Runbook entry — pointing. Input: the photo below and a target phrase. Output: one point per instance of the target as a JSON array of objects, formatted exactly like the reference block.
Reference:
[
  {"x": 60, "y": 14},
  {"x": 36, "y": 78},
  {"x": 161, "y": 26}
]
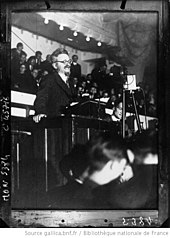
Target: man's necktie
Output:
[{"x": 67, "y": 82}]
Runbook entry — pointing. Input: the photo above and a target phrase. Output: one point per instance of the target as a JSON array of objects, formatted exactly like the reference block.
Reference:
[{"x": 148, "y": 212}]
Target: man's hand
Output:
[
  {"x": 127, "y": 174},
  {"x": 37, "y": 118}
]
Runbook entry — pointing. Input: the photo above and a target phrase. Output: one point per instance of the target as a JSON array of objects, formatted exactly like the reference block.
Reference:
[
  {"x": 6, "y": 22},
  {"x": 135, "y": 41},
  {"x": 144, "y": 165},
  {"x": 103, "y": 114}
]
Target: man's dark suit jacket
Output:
[
  {"x": 75, "y": 71},
  {"x": 54, "y": 96}
]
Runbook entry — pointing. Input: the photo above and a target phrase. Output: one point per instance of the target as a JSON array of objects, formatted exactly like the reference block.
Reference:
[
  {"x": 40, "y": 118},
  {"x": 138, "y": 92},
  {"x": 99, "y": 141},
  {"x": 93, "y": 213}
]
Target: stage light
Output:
[
  {"x": 61, "y": 27},
  {"x": 46, "y": 21},
  {"x": 99, "y": 43},
  {"x": 75, "y": 33},
  {"x": 88, "y": 38}
]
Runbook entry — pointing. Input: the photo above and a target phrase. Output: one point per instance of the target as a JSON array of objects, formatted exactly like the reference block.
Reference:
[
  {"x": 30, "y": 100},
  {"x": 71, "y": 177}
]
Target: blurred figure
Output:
[
  {"x": 75, "y": 70},
  {"x": 144, "y": 147},
  {"x": 139, "y": 192},
  {"x": 108, "y": 167},
  {"x": 107, "y": 158},
  {"x": 87, "y": 168},
  {"x": 72, "y": 195},
  {"x": 151, "y": 104}
]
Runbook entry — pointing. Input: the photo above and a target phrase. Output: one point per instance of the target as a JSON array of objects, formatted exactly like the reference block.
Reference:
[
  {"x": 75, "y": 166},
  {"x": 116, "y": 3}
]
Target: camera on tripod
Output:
[{"x": 130, "y": 83}]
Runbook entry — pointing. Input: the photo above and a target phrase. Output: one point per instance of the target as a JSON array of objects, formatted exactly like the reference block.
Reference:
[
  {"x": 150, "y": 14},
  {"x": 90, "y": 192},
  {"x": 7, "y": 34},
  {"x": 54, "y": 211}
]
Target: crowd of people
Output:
[
  {"x": 109, "y": 172},
  {"x": 29, "y": 75}
]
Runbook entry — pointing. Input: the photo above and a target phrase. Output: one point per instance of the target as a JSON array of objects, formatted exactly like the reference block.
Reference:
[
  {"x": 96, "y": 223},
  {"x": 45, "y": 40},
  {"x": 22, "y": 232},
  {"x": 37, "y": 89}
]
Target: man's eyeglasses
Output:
[{"x": 65, "y": 61}]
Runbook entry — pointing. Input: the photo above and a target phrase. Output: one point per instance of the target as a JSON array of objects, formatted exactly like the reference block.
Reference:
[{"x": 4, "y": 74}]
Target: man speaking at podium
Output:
[{"x": 57, "y": 91}]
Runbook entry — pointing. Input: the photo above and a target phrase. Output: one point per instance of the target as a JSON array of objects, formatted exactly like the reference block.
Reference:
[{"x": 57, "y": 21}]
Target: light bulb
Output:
[
  {"x": 46, "y": 21},
  {"x": 61, "y": 27},
  {"x": 75, "y": 33},
  {"x": 99, "y": 43},
  {"x": 87, "y": 38}
]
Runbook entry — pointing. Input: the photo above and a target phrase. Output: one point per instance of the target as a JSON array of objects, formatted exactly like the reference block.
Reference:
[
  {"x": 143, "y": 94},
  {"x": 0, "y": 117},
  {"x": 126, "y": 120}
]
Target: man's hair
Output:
[
  {"x": 19, "y": 44},
  {"x": 144, "y": 143},
  {"x": 31, "y": 58},
  {"x": 75, "y": 56},
  {"x": 76, "y": 161},
  {"x": 59, "y": 51},
  {"x": 23, "y": 53},
  {"x": 117, "y": 101},
  {"x": 103, "y": 148},
  {"x": 38, "y": 52}
]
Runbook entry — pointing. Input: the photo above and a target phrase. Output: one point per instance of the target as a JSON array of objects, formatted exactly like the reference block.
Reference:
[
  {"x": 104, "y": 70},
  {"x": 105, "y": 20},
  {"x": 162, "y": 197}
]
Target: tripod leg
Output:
[
  {"x": 123, "y": 115},
  {"x": 136, "y": 113}
]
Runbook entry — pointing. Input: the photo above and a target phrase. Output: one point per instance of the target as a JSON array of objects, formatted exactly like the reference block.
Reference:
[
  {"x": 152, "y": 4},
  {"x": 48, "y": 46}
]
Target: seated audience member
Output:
[
  {"x": 32, "y": 81},
  {"x": 31, "y": 62},
  {"x": 16, "y": 52},
  {"x": 38, "y": 58},
  {"x": 111, "y": 101},
  {"x": 118, "y": 110},
  {"x": 93, "y": 92},
  {"x": 151, "y": 104},
  {"x": 18, "y": 81},
  {"x": 75, "y": 70},
  {"x": 80, "y": 91},
  {"x": 116, "y": 79},
  {"x": 18, "y": 57},
  {"x": 88, "y": 80},
  {"x": 139, "y": 192},
  {"x": 46, "y": 65},
  {"x": 23, "y": 58},
  {"x": 105, "y": 94},
  {"x": 75, "y": 82},
  {"x": 100, "y": 76}
]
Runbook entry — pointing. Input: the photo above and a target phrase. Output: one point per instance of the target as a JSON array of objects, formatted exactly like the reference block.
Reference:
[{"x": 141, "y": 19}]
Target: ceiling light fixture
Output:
[
  {"x": 99, "y": 43},
  {"x": 46, "y": 21},
  {"x": 75, "y": 33},
  {"x": 61, "y": 27},
  {"x": 88, "y": 38}
]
